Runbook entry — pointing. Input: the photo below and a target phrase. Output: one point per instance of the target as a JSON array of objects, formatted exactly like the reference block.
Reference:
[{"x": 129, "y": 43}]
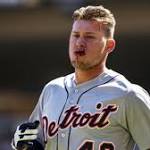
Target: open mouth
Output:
[{"x": 79, "y": 53}]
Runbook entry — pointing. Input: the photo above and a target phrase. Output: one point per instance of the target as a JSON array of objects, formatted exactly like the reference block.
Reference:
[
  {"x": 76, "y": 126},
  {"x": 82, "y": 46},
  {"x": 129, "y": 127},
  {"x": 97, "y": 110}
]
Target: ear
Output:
[{"x": 111, "y": 43}]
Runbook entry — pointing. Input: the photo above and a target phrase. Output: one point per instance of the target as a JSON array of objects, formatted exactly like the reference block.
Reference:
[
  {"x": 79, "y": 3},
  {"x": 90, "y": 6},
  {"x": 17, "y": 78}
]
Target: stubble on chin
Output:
[
  {"x": 78, "y": 65},
  {"x": 83, "y": 66}
]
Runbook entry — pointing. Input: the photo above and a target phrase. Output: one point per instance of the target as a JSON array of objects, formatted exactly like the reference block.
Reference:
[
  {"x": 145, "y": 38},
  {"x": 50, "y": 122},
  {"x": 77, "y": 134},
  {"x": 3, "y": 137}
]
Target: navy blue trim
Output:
[{"x": 62, "y": 110}]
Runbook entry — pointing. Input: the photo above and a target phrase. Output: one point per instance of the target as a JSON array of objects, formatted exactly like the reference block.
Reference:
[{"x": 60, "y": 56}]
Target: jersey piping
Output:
[
  {"x": 68, "y": 148},
  {"x": 62, "y": 111}
]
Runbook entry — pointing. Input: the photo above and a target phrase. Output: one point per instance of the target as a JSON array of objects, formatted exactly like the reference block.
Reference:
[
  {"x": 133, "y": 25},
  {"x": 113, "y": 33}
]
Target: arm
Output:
[
  {"x": 28, "y": 135},
  {"x": 138, "y": 118}
]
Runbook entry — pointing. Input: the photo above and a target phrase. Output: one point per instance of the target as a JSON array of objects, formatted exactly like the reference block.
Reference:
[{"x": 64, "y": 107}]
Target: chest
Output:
[
  {"x": 80, "y": 108},
  {"x": 91, "y": 113}
]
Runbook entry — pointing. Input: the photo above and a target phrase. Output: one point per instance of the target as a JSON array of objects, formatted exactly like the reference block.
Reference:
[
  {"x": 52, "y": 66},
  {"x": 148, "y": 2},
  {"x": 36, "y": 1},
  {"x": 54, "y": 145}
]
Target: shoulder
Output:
[
  {"x": 57, "y": 82},
  {"x": 134, "y": 92},
  {"x": 138, "y": 95},
  {"x": 119, "y": 82},
  {"x": 54, "y": 87},
  {"x": 130, "y": 89}
]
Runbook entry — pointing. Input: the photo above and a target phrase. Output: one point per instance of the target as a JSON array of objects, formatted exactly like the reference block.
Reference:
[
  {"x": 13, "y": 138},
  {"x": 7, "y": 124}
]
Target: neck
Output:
[{"x": 82, "y": 76}]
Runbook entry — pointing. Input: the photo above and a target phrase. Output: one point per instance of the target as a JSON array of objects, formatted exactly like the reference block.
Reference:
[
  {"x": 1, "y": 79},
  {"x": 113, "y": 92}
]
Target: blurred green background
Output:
[{"x": 34, "y": 49}]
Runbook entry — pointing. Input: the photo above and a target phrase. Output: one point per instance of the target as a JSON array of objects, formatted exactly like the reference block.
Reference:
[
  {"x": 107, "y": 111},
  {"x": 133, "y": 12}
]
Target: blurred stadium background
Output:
[{"x": 34, "y": 49}]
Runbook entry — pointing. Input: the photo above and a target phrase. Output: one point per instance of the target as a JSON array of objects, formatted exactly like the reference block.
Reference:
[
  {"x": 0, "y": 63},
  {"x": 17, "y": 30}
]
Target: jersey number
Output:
[{"x": 89, "y": 145}]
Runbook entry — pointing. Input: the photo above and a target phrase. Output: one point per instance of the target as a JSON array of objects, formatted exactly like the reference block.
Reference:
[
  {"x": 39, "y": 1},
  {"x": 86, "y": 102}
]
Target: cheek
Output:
[
  {"x": 97, "y": 49},
  {"x": 71, "y": 47},
  {"x": 71, "y": 43},
  {"x": 102, "y": 46},
  {"x": 95, "y": 46}
]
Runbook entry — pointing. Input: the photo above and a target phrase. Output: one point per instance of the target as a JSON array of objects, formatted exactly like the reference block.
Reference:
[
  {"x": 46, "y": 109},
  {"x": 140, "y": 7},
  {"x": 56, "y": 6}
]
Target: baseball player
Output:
[{"x": 94, "y": 108}]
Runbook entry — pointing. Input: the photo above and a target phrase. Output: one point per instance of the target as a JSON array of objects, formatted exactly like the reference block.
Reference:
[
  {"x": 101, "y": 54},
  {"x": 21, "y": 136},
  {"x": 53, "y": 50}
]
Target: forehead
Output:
[{"x": 86, "y": 26}]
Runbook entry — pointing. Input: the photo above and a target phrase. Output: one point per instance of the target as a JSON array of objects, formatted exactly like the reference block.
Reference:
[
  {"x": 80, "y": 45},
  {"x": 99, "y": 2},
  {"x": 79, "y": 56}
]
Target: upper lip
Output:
[
  {"x": 80, "y": 52},
  {"x": 81, "y": 49}
]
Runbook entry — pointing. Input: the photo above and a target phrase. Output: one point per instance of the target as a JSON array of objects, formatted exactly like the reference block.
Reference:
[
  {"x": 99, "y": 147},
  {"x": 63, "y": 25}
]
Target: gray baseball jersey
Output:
[{"x": 105, "y": 113}]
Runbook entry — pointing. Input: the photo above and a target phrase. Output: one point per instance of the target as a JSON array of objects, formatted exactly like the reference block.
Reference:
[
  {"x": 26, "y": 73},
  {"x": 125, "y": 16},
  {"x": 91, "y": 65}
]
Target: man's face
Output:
[{"x": 87, "y": 45}]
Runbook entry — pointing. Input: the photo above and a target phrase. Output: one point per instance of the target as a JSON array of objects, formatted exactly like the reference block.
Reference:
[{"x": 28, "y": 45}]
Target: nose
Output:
[{"x": 80, "y": 42}]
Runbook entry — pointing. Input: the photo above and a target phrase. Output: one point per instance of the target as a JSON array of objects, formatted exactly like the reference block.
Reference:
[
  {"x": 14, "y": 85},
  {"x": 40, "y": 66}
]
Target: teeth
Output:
[{"x": 81, "y": 49}]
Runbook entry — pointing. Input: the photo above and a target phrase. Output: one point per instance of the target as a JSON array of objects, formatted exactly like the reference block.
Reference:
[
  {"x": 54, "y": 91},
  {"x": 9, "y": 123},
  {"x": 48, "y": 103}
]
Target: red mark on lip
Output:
[{"x": 79, "y": 53}]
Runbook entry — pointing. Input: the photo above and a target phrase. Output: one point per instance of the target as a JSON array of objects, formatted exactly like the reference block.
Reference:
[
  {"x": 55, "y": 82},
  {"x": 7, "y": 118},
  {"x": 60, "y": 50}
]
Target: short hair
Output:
[{"x": 98, "y": 13}]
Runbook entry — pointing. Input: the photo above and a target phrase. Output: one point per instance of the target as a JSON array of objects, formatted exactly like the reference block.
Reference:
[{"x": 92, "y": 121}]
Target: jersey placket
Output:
[
  {"x": 74, "y": 96},
  {"x": 63, "y": 135}
]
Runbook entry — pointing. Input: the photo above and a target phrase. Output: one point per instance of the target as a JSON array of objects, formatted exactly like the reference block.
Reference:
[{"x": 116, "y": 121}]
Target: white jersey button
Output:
[
  {"x": 71, "y": 101},
  {"x": 76, "y": 90},
  {"x": 62, "y": 135}
]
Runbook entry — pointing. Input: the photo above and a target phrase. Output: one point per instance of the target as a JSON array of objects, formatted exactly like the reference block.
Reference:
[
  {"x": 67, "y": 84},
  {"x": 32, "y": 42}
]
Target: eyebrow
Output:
[{"x": 91, "y": 33}]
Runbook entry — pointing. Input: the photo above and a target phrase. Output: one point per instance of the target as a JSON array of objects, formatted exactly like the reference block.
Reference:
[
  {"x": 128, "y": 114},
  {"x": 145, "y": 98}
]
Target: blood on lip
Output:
[{"x": 80, "y": 53}]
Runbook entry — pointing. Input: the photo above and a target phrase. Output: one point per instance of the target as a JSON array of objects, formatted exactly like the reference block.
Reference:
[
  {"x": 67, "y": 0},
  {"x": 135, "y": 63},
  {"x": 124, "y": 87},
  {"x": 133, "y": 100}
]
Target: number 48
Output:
[{"x": 89, "y": 145}]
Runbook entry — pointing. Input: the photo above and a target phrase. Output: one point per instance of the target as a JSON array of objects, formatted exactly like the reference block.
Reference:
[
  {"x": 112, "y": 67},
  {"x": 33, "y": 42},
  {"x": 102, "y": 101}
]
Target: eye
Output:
[
  {"x": 75, "y": 35},
  {"x": 89, "y": 37}
]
